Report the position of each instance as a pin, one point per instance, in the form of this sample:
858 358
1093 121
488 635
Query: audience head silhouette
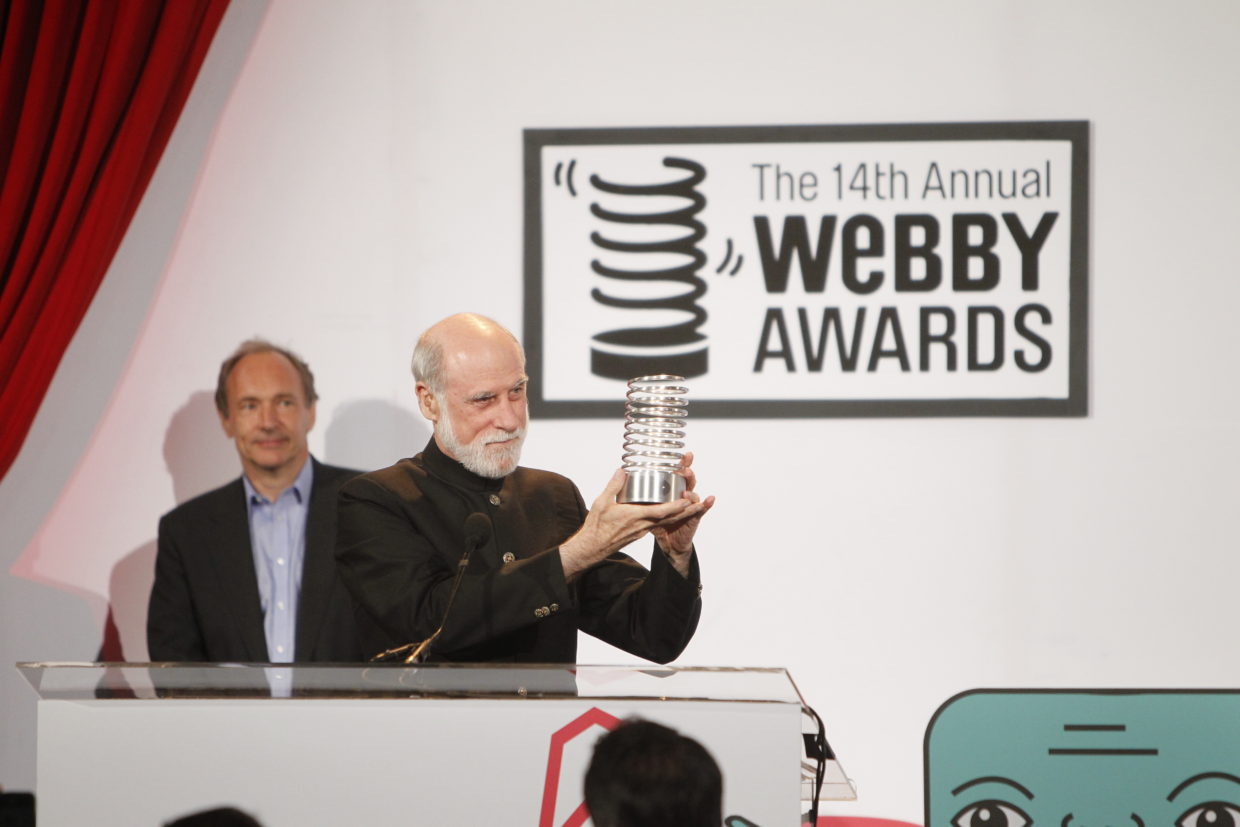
644 774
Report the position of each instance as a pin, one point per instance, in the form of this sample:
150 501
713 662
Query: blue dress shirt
278 540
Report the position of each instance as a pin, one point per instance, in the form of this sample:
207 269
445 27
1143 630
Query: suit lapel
234 565
318 567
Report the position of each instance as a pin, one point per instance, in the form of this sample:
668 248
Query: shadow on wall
40 622
198 457
373 433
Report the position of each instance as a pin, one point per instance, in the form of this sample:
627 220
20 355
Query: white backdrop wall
347 173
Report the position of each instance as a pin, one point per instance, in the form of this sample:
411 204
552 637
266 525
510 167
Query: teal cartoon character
1084 758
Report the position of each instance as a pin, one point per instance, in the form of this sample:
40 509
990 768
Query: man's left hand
675 536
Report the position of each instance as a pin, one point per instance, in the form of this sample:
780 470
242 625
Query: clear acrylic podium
441 744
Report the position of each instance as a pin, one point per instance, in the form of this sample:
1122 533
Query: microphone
478 530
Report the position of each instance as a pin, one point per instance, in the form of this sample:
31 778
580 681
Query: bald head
454 338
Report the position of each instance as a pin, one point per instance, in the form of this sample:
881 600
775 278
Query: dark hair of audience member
643 774
217 817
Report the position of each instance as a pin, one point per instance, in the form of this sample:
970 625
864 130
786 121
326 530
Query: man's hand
610 526
675 536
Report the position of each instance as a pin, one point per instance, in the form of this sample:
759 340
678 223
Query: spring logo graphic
649 261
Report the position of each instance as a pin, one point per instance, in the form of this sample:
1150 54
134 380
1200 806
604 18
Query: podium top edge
69 680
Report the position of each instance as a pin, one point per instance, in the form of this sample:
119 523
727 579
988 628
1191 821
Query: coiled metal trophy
654 422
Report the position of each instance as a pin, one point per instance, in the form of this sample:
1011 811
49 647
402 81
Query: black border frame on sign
1075 132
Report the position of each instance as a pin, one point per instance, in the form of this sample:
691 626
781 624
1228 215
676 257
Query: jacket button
494 498
509 557
555 607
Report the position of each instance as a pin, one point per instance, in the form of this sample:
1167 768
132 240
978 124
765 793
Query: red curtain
89 93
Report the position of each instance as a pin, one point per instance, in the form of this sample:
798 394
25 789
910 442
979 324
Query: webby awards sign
888 270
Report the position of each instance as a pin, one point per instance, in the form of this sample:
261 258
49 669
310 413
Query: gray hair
427 364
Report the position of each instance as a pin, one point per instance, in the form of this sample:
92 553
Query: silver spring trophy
654 422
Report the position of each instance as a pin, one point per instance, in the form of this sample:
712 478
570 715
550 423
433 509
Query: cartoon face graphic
1102 758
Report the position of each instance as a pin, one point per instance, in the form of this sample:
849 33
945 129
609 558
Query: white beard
478 456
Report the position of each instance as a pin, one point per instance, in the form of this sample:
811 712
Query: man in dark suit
544 567
246 573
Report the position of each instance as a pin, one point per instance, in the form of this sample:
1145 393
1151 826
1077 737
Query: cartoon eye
992 813
1211 814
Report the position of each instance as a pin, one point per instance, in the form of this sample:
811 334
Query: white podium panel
445 745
